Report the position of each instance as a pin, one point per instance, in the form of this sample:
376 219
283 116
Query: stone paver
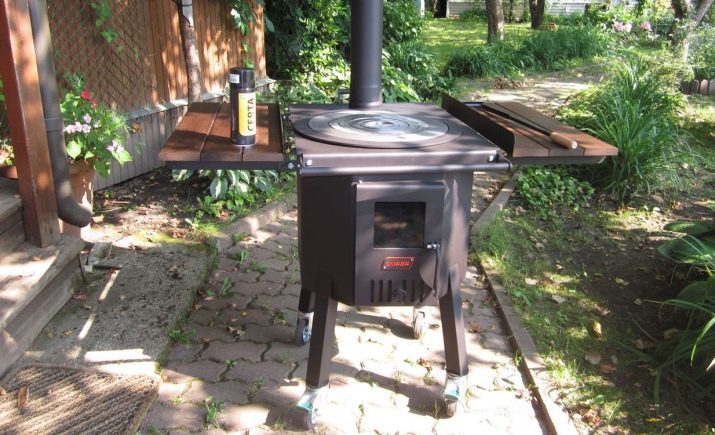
382 379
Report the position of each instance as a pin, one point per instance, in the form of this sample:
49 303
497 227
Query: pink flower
86 128
645 25
87 118
85 95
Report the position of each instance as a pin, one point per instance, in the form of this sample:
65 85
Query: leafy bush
402 22
636 111
702 52
474 14
551 50
689 353
497 59
548 190
541 50
234 190
423 75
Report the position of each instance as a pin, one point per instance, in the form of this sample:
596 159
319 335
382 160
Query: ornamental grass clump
93 132
636 110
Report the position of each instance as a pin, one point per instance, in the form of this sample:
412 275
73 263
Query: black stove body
384 198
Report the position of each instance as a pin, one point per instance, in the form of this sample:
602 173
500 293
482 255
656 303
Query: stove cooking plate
380 127
376 129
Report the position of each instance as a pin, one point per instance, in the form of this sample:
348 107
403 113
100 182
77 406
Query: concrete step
12 231
34 284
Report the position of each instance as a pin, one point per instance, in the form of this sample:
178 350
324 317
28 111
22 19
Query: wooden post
18 67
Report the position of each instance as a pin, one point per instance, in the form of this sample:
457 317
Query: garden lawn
588 286
446 36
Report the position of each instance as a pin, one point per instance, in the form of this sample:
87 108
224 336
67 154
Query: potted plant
94 133
94 137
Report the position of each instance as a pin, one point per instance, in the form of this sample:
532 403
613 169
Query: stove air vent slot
387 291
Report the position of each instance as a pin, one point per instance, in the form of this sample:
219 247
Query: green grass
446 37
540 266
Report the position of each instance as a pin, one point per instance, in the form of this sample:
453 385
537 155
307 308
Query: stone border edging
252 223
541 385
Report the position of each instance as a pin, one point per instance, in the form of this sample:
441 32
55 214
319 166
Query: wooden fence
141 72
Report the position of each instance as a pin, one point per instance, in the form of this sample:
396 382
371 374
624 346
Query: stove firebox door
396 224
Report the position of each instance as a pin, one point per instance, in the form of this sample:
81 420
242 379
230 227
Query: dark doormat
70 400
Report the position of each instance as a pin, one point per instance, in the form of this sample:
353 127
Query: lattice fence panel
119 72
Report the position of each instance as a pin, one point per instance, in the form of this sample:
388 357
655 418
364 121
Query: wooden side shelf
524 144
202 140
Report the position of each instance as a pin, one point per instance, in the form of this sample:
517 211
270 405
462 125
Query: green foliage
213 408
311 44
402 22
93 132
689 354
697 245
103 12
702 52
474 14
552 50
244 14
491 60
541 50
419 70
635 110
232 190
549 190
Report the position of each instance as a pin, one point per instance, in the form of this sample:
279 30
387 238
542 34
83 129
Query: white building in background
553 7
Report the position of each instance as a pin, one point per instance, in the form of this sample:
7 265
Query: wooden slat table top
202 140
590 145
524 144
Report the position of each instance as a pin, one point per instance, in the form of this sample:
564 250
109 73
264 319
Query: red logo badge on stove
398 263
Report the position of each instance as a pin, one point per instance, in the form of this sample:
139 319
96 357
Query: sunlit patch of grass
531 258
445 37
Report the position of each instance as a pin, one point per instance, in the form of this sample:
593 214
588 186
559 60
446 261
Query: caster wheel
452 408
308 420
418 324
302 331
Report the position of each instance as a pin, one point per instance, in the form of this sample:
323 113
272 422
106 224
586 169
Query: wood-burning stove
384 196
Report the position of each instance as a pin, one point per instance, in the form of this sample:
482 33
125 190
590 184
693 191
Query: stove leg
450 306
319 357
303 327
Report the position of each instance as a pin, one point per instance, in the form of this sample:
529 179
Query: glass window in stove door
399 224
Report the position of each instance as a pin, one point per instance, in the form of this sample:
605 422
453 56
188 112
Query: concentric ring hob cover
401 134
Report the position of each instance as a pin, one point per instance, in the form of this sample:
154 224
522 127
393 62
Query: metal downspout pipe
67 208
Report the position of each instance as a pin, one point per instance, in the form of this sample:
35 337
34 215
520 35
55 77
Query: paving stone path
241 371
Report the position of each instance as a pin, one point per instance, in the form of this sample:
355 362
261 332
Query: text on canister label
247 114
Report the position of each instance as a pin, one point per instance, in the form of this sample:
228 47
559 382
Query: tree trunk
191 52
701 9
495 22
536 8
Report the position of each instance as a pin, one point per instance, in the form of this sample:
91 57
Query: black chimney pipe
366 54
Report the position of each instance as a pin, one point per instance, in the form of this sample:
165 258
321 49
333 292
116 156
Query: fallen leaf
638 301
593 357
424 363
558 299
559 267
23 395
36 258
621 281
79 296
670 333
596 328
474 326
98 219
607 369
643 344
531 281
2 391
614 359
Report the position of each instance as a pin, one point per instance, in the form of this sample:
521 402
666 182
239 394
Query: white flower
86 128
87 118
